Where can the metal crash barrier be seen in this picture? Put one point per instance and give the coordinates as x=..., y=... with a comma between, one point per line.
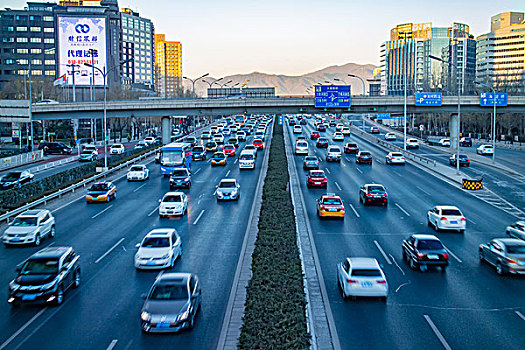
x=472, y=184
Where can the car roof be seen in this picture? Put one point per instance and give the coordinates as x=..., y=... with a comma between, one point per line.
x=229, y=179
x=520, y=222
x=51, y=252
x=366, y=185
x=330, y=196
x=447, y=207
x=363, y=262
x=174, y=277
x=165, y=232
x=33, y=212
x=421, y=236
x=174, y=193
x=510, y=241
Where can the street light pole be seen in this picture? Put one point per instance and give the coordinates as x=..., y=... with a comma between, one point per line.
x=193, y=81
x=493, y=119
x=362, y=81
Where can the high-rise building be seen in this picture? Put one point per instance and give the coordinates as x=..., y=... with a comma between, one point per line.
x=79, y=2
x=168, y=67
x=501, y=53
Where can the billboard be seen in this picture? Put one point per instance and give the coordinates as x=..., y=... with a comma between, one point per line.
x=78, y=38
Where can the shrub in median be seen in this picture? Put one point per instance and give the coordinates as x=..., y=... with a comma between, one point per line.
x=274, y=316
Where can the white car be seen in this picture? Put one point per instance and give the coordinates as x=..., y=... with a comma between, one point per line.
x=159, y=249
x=346, y=131
x=116, y=148
x=412, y=143
x=444, y=142
x=297, y=129
x=301, y=147
x=333, y=154
x=338, y=136
x=219, y=138
x=247, y=159
x=250, y=147
x=485, y=150
x=150, y=140
x=516, y=230
x=89, y=153
x=361, y=277
x=228, y=189
x=30, y=227
x=395, y=158
x=446, y=218
x=138, y=173
x=339, y=127
x=390, y=136
x=206, y=135
x=173, y=203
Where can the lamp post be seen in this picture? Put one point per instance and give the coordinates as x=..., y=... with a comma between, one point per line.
x=193, y=81
x=459, y=104
x=213, y=82
x=362, y=81
x=226, y=83
x=341, y=80
x=493, y=119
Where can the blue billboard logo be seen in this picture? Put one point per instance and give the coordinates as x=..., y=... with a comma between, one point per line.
x=428, y=98
x=332, y=96
x=82, y=28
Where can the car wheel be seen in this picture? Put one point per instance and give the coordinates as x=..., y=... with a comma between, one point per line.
x=404, y=254
x=499, y=268
x=76, y=279
x=443, y=269
x=59, y=296
x=52, y=232
x=37, y=240
x=481, y=255
x=191, y=322
x=412, y=264
x=115, y=195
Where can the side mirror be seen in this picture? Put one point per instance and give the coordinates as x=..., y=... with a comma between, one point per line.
x=137, y=245
x=18, y=268
x=160, y=200
x=144, y=296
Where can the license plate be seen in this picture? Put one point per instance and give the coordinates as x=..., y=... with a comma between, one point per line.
x=169, y=211
x=163, y=325
x=95, y=198
x=226, y=197
x=16, y=239
x=432, y=256
x=150, y=263
x=317, y=183
x=366, y=284
x=28, y=297
x=332, y=209
x=454, y=222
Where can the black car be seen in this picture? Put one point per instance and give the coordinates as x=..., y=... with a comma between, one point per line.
x=322, y=142
x=191, y=140
x=45, y=276
x=54, y=148
x=332, y=123
x=303, y=121
x=363, y=158
x=465, y=142
x=422, y=251
x=180, y=178
x=198, y=153
x=233, y=141
x=291, y=122
x=464, y=160
x=15, y=179
x=321, y=127
x=373, y=194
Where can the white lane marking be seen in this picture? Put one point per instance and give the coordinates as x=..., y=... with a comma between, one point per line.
x=347, y=159
x=355, y=211
x=235, y=162
x=197, y=171
x=402, y=285
x=403, y=210
x=382, y=252
x=109, y=250
x=154, y=210
x=102, y=211
x=338, y=187
x=328, y=171
x=112, y=344
x=17, y=333
x=472, y=221
x=520, y=315
x=395, y=262
x=437, y=333
x=343, y=164
x=453, y=255
x=422, y=190
x=361, y=171
x=65, y=205
x=198, y=217
x=227, y=173
x=138, y=188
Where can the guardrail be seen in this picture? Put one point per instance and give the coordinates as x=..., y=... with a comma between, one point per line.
x=21, y=159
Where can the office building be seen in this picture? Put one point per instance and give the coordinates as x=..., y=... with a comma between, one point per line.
x=168, y=67
x=79, y=2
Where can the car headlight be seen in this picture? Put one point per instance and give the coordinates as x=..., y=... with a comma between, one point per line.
x=187, y=179
x=234, y=192
x=165, y=256
x=49, y=285
x=219, y=192
x=13, y=286
x=183, y=316
x=145, y=316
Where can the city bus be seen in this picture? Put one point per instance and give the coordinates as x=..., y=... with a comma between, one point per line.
x=174, y=155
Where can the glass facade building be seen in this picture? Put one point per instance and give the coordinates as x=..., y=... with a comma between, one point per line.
x=168, y=67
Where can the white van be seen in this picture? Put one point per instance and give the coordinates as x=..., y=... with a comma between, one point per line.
x=247, y=160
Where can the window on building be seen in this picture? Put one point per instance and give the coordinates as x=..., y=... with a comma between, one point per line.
x=49, y=40
x=22, y=72
x=21, y=40
x=36, y=72
x=21, y=18
x=9, y=61
x=49, y=62
x=35, y=18
x=36, y=29
x=36, y=61
x=36, y=40
x=22, y=50
x=36, y=50
x=50, y=72
x=49, y=30
x=48, y=18
x=8, y=40
x=21, y=29
x=23, y=61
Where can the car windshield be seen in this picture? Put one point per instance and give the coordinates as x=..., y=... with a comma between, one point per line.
x=218, y=156
x=169, y=292
x=336, y=150
x=156, y=242
x=99, y=187
x=302, y=144
x=366, y=273
x=180, y=172
x=198, y=149
x=454, y=212
x=12, y=176
x=351, y=145
x=376, y=189
x=365, y=153
x=397, y=155
x=246, y=157
x=136, y=168
x=311, y=159
x=516, y=249
x=40, y=267
x=211, y=144
x=229, y=147
x=317, y=174
x=116, y=146
x=331, y=201
x=429, y=244
x=173, y=199
x=321, y=140
x=24, y=222
x=227, y=184
x=257, y=141
x=87, y=153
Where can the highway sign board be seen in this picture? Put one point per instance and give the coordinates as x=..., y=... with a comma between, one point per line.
x=421, y=127
x=332, y=96
x=428, y=99
x=383, y=115
x=486, y=99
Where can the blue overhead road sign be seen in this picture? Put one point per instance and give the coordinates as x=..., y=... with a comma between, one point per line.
x=383, y=115
x=486, y=99
x=428, y=99
x=332, y=96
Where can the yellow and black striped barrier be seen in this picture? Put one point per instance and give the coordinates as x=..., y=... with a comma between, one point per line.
x=472, y=184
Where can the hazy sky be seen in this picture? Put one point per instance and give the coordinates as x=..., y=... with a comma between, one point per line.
x=296, y=36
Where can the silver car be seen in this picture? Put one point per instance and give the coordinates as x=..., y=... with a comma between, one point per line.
x=516, y=230
x=228, y=189
x=30, y=227
x=506, y=254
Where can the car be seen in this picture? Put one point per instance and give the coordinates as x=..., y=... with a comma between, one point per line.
x=226, y=132
x=363, y=157
x=297, y=129
x=338, y=136
x=30, y=227
x=218, y=158
x=412, y=144
x=464, y=160
x=218, y=138
x=258, y=143
x=373, y=194
x=303, y=121
x=150, y=140
x=159, y=249
x=301, y=147
x=191, y=140
x=291, y=122
x=395, y=158
x=211, y=146
x=300, y=138
x=361, y=277
x=247, y=159
x=233, y=141
x=333, y=154
x=465, y=142
x=138, y=173
x=116, y=148
x=171, y=304
x=330, y=205
x=315, y=135
x=198, y=153
x=351, y=148
x=422, y=251
x=241, y=135
x=485, y=150
x=54, y=148
x=332, y=123
x=345, y=130
x=173, y=203
x=339, y=127
x=516, y=230
x=46, y=102
x=229, y=150
x=316, y=178
x=15, y=179
x=45, y=276
x=390, y=136
x=507, y=255
x=101, y=191
x=443, y=217
x=206, y=135
x=322, y=142
x=228, y=189
x=180, y=177
x=321, y=127
x=444, y=142
x=259, y=135
x=251, y=147
x=374, y=130
x=89, y=153
x=140, y=145
x=310, y=162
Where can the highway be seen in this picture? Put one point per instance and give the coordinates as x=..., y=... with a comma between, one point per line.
x=106, y=308
x=467, y=307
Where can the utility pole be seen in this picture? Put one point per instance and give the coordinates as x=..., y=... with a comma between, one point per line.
x=75, y=121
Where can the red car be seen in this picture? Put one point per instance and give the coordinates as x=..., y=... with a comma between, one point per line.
x=316, y=178
x=315, y=135
x=351, y=148
x=229, y=150
x=258, y=143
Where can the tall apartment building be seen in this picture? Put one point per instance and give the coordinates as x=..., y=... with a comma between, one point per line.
x=168, y=67
x=79, y=2
x=501, y=53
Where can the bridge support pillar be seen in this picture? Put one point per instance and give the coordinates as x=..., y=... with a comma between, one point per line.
x=453, y=129
x=166, y=130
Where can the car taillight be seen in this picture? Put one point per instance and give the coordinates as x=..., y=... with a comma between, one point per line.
x=381, y=282
x=509, y=260
x=420, y=256
x=468, y=160
x=443, y=218
x=351, y=281
x=445, y=256
x=385, y=195
x=463, y=219
x=368, y=195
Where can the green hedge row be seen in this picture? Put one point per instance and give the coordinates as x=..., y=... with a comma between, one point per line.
x=274, y=315
x=17, y=197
